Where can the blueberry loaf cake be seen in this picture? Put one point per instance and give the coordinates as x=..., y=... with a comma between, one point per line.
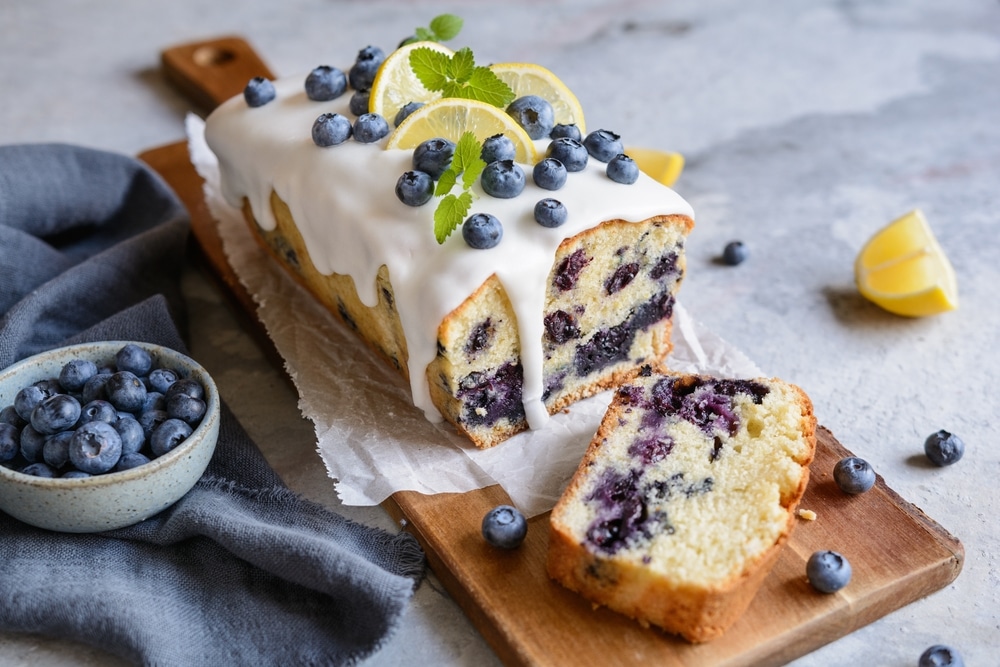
x=493, y=338
x=684, y=499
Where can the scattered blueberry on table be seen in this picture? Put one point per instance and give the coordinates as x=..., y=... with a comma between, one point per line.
x=944, y=448
x=505, y=527
x=734, y=253
x=941, y=655
x=853, y=475
x=828, y=571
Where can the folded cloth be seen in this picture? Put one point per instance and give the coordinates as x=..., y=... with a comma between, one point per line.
x=241, y=571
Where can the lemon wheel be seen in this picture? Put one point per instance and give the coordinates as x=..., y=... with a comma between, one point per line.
x=450, y=117
x=903, y=269
x=530, y=79
x=396, y=85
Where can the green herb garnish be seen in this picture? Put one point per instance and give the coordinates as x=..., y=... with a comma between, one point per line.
x=468, y=164
x=441, y=29
x=459, y=76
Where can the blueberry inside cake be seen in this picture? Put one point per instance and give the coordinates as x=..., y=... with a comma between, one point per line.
x=684, y=498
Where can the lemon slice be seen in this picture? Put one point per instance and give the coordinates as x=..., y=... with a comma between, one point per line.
x=450, y=117
x=396, y=85
x=660, y=165
x=530, y=79
x=904, y=270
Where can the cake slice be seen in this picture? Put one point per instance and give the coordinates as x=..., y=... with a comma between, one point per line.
x=684, y=499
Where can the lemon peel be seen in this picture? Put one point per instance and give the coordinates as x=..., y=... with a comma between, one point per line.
x=662, y=166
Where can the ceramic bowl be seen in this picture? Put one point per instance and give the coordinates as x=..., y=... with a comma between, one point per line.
x=117, y=499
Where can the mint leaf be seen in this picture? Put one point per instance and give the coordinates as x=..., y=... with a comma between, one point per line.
x=450, y=213
x=486, y=86
x=463, y=65
x=467, y=159
x=424, y=35
x=446, y=182
x=431, y=67
x=445, y=27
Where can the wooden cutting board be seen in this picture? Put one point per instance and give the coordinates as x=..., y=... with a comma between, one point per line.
x=898, y=554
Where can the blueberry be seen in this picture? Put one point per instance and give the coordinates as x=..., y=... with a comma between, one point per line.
x=39, y=470
x=168, y=435
x=154, y=401
x=32, y=443
x=570, y=152
x=54, y=414
x=10, y=441
x=941, y=655
x=129, y=461
x=186, y=408
x=149, y=421
x=550, y=212
x=160, y=379
x=944, y=448
x=359, y=102
x=505, y=527
x=98, y=410
x=623, y=169
x=187, y=386
x=415, y=188
x=134, y=359
x=27, y=399
x=369, y=128
x=828, y=571
x=325, y=83
x=125, y=391
x=497, y=147
x=570, y=131
x=549, y=174
x=75, y=373
x=433, y=156
x=362, y=72
x=503, y=179
x=534, y=114
x=734, y=253
x=482, y=231
x=331, y=129
x=94, y=389
x=405, y=111
x=130, y=431
x=603, y=145
x=9, y=416
x=95, y=448
x=75, y=474
x=853, y=475
x=258, y=92
x=55, y=452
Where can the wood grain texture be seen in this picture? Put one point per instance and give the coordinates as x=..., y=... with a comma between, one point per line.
x=898, y=554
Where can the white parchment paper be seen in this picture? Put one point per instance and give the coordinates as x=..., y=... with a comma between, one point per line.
x=370, y=437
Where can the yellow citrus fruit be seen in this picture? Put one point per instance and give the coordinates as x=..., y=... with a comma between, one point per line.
x=450, y=117
x=396, y=85
x=530, y=79
x=904, y=270
x=659, y=165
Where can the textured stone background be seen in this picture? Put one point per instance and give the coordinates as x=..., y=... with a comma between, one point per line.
x=806, y=127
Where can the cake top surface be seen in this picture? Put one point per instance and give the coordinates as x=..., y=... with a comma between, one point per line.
x=343, y=200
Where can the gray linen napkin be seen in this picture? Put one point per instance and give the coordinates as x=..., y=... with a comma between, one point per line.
x=240, y=571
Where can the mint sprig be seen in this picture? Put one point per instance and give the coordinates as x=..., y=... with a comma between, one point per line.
x=466, y=164
x=458, y=75
x=442, y=28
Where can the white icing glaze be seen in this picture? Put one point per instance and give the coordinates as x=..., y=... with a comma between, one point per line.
x=343, y=201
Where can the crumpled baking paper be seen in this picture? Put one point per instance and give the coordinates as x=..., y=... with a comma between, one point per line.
x=370, y=437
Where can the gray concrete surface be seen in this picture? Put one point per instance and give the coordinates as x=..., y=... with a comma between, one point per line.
x=806, y=127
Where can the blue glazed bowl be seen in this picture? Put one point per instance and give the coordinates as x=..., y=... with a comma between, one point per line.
x=117, y=499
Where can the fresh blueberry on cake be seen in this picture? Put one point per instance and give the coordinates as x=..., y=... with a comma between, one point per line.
x=684, y=499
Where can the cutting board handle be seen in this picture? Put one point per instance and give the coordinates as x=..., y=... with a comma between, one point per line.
x=211, y=71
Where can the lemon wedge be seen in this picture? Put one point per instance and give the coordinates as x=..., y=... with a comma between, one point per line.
x=662, y=166
x=530, y=79
x=450, y=117
x=904, y=270
x=396, y=85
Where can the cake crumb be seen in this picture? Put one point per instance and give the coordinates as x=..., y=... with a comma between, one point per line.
x=808, y=515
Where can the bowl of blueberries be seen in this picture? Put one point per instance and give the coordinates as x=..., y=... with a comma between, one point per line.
x=103, y=435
